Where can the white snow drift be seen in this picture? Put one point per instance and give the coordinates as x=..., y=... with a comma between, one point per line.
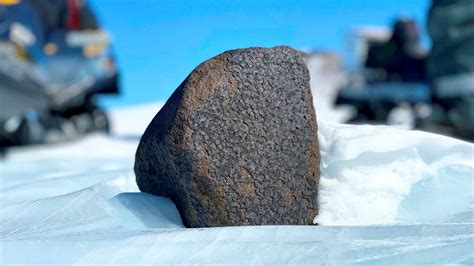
x=386, y=195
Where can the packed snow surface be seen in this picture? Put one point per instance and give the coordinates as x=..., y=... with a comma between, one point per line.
x=387, y=196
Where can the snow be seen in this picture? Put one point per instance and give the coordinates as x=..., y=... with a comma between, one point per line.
x=387, y=195
x=327, y=78
x=383, y=175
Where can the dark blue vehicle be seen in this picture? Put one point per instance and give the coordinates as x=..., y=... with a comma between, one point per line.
x=391, y=73
x=54, y=58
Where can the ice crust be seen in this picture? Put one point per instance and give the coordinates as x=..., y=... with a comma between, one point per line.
x=387, y=196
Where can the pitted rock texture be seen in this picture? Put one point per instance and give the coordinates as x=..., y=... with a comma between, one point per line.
x=236, y=143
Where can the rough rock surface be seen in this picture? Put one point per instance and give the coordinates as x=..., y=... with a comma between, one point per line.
x=236, y=143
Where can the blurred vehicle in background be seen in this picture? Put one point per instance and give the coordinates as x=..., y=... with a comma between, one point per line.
x=397, y=82
x=54, y=57
x=450, y=68
x=389, y=84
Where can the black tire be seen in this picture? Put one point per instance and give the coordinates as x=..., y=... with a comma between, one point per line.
x=101, y=121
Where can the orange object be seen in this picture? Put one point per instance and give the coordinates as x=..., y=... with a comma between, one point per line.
x=9, y=2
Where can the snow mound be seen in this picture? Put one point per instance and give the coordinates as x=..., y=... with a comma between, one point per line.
x=387, y=196
x=382, y=175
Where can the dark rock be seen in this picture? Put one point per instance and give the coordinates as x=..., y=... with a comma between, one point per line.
x=236, y=144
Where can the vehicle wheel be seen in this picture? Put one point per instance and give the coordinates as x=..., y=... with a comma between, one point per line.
x=87, y=119
x=29, y=132
x=100, y=120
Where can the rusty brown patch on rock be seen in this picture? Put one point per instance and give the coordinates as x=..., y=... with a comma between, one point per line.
x=306, y=203
x=198, y=88
x=279, y=183
x=206, y=79
x=289, y=196
x=245, y=174
x=204, y=162
x=248, y=190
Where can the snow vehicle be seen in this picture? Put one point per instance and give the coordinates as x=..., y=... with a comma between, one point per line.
x=390, y=76
x=397, y=82
x=450, y=68
x=54, y=58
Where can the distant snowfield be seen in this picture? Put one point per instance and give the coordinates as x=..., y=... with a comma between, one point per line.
x=386, y=196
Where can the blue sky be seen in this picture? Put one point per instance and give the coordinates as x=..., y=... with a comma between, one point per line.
x=158, y=43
